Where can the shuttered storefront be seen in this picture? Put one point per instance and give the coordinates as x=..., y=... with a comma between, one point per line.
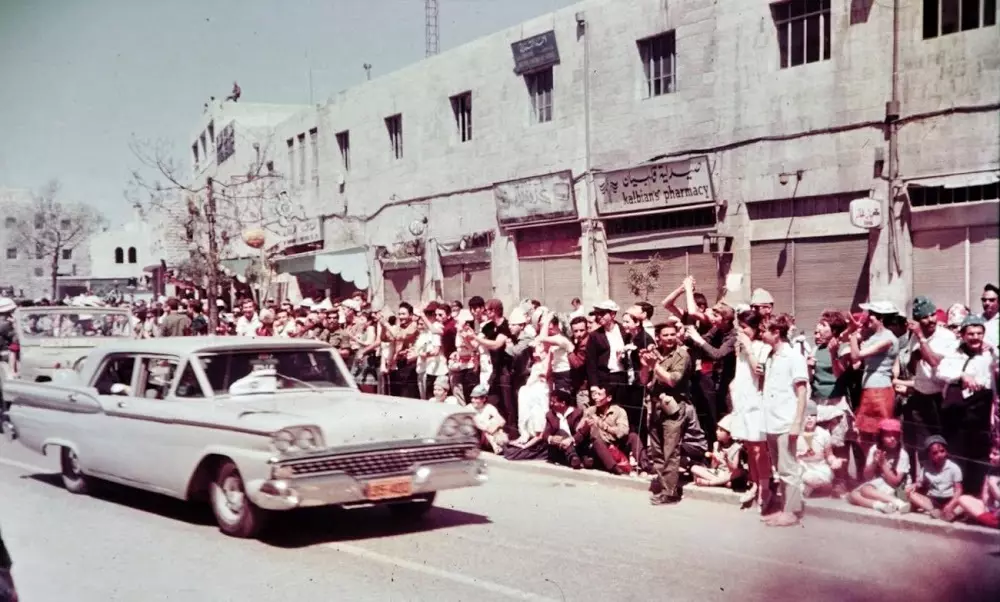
x=952, y=265
x=675, y=265
x=463, y=281
x=402, y=284
x=808, y=276
x=554, y=281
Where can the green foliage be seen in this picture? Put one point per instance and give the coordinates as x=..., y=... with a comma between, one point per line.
x=644, y=277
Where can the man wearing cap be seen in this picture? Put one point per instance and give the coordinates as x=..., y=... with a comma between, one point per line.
x=606, y=351
x=969, y=409
x=929, y=345
x=762, y=303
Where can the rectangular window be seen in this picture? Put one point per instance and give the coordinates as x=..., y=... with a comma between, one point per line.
x=659, y=64
x=39, y=251
x=10, y=222
x=39, y=272
x=943, y=17
x=461, y=106
x=67, y=253
x=65, y=224
x=540, y=90
x=211, y=132
x=394, y=125
x=314, y=152
x=291, y=159
x=803, y=28
x=301, y=150
x=194, y=151
x=344, y=143
x=11, y=253
x=204, y=146
x=39, y=221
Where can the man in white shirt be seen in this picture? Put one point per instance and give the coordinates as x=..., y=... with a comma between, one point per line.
x=969, y=412
x=786, y=378
x=930, y=343
x=248, y=322
x=991, y=314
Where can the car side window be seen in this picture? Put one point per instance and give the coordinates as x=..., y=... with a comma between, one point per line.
x=188, y=386
x=116, y=371
x=155, y=376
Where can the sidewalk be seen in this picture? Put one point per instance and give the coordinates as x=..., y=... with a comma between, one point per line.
x=826, y=507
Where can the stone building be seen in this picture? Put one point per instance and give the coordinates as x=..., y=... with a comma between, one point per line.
x=25, y=274
x=730, y=141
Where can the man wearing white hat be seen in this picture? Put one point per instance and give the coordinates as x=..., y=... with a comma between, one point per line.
x=762, y=303
x=606, y=352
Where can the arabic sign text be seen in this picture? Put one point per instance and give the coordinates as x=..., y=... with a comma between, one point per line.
x=535, y=52
x=658, y=186
x=544, y=198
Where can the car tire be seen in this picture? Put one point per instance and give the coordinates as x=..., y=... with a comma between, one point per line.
x=413, y=511
x=72, y=476
x=235, y=514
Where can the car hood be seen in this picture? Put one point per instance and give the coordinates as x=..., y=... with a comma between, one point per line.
x=346, y=417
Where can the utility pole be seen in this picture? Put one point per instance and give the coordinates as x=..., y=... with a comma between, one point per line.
x=213, y=259
x=432, y=34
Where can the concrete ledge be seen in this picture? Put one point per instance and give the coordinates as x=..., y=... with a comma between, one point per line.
x=822, y=507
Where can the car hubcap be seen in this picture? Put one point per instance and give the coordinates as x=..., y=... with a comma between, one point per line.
x=231, y=499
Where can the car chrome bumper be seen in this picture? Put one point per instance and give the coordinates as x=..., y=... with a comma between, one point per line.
x=343, y=489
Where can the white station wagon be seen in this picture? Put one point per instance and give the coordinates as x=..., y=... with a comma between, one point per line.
x=250, y=425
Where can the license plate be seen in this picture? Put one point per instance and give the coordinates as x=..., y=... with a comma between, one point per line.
x=383, y=489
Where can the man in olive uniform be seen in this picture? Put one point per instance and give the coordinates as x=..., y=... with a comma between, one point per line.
x=7, y=592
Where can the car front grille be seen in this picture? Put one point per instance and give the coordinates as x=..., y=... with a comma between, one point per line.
x=378, y=463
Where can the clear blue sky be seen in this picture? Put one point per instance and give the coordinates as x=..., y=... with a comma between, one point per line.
x=79, y=77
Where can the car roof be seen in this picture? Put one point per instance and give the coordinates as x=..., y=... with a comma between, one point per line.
x=194, y=344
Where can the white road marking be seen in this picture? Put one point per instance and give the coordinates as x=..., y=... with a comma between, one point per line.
x=476, y=582
x=23, y=466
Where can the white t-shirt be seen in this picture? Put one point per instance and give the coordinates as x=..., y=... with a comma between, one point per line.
x=782, y=371
x=813, y=452
x=992, y=335
x=560, y=359
x=902, y=467
x=247, y=327
x=941, y=484
x=616, y=345
x=943, y=342
x=959, y=363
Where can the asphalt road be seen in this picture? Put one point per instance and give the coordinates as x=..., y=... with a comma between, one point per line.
x=521, y=537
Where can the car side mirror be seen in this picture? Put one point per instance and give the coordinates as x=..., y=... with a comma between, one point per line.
x=119, y=389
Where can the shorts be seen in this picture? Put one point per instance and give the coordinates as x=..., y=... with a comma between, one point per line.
x=989, y=519
x=939, y=502
x=880, y=486
x=816, y=474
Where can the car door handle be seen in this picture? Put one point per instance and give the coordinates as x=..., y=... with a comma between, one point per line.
x=122, y=404
x=73, y=398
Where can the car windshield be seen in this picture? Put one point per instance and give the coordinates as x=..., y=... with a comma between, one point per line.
x=296, y=368
x=89, y=322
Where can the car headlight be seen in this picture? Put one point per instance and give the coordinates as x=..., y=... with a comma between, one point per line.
x=458, y=426
x=303, y=439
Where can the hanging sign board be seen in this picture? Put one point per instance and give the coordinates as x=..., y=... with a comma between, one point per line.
x=535, y=52
x=866, y=213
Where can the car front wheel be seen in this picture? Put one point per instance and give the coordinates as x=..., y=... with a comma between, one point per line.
x=235, y=514
x=413, y=511
x=72, y=476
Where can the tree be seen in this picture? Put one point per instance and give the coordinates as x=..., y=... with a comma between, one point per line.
x=48, y=226
x=213, y=213
x=644, y=277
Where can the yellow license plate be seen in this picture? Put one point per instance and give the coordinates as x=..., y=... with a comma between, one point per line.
x=384, y=489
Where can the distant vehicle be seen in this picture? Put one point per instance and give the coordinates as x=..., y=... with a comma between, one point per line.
x=250, y=425
x=57, y=337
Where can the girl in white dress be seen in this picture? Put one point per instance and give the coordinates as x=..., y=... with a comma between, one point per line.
x=746, y=397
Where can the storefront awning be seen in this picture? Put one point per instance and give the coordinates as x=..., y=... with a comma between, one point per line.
x=349, y=264
x=963, y=180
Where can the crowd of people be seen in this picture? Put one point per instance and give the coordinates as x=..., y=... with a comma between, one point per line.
x=888, y=410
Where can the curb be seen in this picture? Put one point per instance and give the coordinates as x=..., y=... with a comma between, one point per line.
x=827, y=508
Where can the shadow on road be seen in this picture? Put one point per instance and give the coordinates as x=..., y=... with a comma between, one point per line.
x=316, y=526
x=297, y=529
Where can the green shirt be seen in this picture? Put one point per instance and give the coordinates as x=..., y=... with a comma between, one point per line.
x=4, y=556
x=824, y=384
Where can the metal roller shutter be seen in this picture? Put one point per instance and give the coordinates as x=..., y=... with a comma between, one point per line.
x=830, y=273
x=704, y=268
x=478, y=281
x=562, y=280
x=772, y=265
x=673, y=269
x=984, y=261
x=532, y=278
x=402, y=285
x=451, y=284
x=939, y=265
